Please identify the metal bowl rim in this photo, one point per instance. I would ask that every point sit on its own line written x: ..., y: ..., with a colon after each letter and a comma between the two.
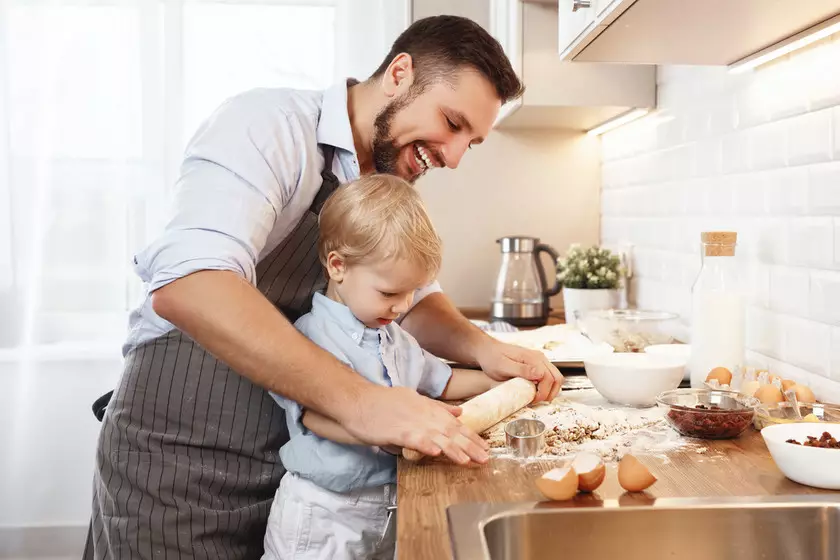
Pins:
x: 749, y: 404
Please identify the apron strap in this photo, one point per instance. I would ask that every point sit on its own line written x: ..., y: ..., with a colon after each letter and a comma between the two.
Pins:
x: 329, y: 182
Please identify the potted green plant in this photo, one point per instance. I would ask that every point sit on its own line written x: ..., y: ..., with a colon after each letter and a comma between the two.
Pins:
x: 590, y: 279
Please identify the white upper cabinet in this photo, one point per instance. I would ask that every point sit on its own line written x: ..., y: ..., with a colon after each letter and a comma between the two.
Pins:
x: 708, y: 32
x: 558, y: 94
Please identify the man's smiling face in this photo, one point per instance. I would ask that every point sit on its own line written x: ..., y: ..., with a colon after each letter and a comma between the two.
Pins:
x: 416, y: 132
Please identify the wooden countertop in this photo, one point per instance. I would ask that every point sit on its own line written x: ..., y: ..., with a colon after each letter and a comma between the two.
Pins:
x: 739, y: 467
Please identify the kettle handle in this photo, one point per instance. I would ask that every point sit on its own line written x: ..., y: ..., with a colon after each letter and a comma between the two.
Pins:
x: 543, y: 248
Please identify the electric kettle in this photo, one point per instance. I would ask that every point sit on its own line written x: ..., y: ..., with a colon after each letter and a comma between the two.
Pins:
x: 522, y: 295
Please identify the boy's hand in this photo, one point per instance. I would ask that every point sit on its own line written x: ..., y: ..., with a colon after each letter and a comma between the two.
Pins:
x: 502, y: 361
x: 401, y: 417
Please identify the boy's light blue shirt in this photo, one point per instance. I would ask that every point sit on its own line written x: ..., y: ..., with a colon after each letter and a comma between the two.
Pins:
x: 386, y: 356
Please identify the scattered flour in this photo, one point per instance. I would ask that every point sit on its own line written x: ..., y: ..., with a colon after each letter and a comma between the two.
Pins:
x: 583, y: 421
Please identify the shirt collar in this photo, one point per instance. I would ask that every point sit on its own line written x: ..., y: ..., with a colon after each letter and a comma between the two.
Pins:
x: 324, y: 307
x: 334, y: 124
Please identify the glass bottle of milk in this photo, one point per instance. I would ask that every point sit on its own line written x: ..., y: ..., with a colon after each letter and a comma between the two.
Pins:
x: 718, y: 313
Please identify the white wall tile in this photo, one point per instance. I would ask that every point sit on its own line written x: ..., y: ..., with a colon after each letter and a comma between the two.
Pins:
x: 611, y: 202
x: 709, y: 157
x: 749, y: 191
x: 807, y: 344
x: 811, y: 242
x: 757, y: 284
x: 768, y: 146
x: 825, y: 296
x: 772, y: 240
x: 721, y: 198
x: 835, y: 354
x: 757, y: 153
x: 789, y: 290
x: 722, y: 117
x: 611, y: 175
x: 824, y: 189
x: 751, y: 106
x: 837, y: 241
x: 671, y: 131
x: 836, y: 128
x: 781, y: 94
x: 735, y: 156
x: 809, y: 138
x: 786, y: 191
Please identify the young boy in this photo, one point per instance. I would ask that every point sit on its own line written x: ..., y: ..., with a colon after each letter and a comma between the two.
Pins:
x: 378, y: 246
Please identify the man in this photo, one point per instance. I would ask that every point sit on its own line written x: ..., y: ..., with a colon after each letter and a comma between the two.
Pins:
x: 187, y: 457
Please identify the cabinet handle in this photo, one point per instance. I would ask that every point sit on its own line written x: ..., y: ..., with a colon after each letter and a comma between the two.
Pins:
x: 578, y: 4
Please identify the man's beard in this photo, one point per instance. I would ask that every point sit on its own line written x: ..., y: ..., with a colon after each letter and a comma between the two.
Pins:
x: 385, y: 151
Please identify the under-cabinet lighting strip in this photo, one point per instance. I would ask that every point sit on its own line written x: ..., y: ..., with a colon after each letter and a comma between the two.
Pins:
x: 787, y: 46
x: 620, y: 120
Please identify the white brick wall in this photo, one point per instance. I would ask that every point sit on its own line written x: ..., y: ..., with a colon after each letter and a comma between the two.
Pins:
x: 758, y: 153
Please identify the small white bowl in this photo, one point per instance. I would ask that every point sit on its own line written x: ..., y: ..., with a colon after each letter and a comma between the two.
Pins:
x: 634, y: 379
x: 676, y: 350
x: 810, y: 466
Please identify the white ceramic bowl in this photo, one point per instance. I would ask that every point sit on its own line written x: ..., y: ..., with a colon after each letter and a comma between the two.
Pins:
x: 682, y: 351
x: 810, y: 466
x: 634, y: 379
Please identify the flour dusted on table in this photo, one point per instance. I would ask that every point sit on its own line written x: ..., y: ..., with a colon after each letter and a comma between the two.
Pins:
x: 584, y: 421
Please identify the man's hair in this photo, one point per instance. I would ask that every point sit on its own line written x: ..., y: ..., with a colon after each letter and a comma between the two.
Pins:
x: 377, y: 218
x: 441, y: 45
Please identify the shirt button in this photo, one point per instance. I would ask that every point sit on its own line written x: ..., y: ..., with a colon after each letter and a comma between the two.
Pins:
x: 355, y: 336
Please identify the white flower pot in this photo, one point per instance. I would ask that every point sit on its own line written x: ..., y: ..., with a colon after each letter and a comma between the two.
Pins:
x: 587, y: 300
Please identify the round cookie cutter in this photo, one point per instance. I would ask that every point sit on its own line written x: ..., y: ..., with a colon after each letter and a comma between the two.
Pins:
x: 525, y: 437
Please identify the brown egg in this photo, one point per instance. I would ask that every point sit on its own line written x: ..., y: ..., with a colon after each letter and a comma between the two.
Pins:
x: 591, y: 471
x: 787, y: 384
x: 721, y: 374
x: 633, y: 476
x: 804, y: 394
x: 769, y: 394
x: 559, y: 484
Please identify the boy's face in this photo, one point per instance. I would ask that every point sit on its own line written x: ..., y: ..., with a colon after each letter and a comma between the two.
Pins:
x: 378, y: 292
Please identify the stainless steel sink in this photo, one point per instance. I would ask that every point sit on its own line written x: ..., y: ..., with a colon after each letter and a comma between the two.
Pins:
x: 777, y: 528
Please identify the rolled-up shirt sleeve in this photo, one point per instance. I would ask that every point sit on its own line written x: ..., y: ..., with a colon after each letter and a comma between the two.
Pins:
x: 294, y: 414
x: 239, y: 172
x: 435, y: 377
x: 419, y: 295
x: 426, y: 291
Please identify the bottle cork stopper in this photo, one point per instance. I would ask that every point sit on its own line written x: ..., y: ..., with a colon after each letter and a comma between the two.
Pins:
x: 719, y: 243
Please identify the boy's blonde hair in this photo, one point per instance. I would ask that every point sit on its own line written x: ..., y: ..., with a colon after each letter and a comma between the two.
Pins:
x: 376, y: 218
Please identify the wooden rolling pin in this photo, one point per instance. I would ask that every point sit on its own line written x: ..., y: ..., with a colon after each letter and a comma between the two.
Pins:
x: 488, y: 409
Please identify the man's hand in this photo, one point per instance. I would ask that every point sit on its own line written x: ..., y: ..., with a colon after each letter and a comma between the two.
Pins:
x: 398, y: 416
x: 502, y: 361
x: 442, y: 330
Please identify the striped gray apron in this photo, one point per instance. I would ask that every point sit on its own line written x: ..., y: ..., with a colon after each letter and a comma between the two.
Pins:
x: 187, y: 459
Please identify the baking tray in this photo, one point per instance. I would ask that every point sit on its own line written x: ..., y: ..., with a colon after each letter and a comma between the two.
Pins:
x: 563, y: 345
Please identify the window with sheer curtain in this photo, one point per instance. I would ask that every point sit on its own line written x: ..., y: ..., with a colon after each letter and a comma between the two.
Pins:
x: 97, y: 101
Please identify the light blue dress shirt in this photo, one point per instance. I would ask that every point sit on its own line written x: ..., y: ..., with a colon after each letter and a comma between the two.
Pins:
x: 386, y: 356
x: 249, y: 175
